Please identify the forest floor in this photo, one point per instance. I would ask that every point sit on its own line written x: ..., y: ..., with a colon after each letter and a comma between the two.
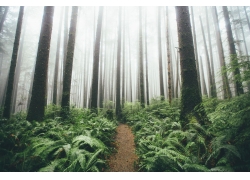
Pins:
x: 124, y: 160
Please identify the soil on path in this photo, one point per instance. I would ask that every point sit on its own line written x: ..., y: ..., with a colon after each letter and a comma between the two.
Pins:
x: 125, y: 158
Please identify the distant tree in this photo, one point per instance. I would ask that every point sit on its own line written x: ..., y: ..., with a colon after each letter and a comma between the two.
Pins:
x: 146, y: 59
x: 69, y: 62
x: 169, y: 59
x: 232, y: 51
x: 11, y: 76
x: 210, y: 82
x: 225, y: 84
x: 118, y: 70
x: 38, y: 99
x: 160, y: 55
x: 190, y: 96
x: 195, y: 48
x: 248, y: 23
x: 94, y: 93
x: 142, y: 99
x: 57, y: 60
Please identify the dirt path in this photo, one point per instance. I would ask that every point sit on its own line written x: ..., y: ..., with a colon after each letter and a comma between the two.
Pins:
x: 124, y: 159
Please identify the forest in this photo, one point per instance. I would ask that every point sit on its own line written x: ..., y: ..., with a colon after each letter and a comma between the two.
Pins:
x: 124, y: 89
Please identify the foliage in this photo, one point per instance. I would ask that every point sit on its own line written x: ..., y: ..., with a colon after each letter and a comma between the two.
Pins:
x: 162, y: 144
x: 79, y: 143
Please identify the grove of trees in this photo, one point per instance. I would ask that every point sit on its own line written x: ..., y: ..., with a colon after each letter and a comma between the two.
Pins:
x: 179, y: 76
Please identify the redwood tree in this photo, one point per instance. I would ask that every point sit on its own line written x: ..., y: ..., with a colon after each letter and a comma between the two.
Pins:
x: 69, y: 62
x: 38, y: 99
x: 7, y: 104
x: 190, y: 96
x: 94, y: 93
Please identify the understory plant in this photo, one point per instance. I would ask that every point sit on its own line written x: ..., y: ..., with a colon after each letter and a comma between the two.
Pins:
x: 162, y: 144
x: 79, y: 143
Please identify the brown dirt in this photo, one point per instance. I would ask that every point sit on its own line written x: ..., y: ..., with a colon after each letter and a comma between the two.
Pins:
x: 125, y: 158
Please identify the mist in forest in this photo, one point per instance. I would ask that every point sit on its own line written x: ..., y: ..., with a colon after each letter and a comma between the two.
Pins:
x: 154, y: 37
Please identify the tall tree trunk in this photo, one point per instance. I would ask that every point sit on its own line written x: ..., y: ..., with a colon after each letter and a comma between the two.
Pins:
x: 38, y: 99
x: 142, y: 99
x: 169, y: 59
x: 233, y: 55
x: 160, y: 55
x: 3, y: 18
x: 146, y: 59
x: 57, y: 60
x: 69, y: 63
x: 94, y: 93
x: 207, y: 61
x: 190, y: 97
x: 123, y: 61
x: 65, y: 43
x: 11, y: 76
x: 213, y: 86
x: 118, y: 70
x: 225, y: 84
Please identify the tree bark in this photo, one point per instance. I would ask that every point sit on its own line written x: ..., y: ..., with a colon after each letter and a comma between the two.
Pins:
x: 38, y: 99
x: 118, y: 71
x: 94, y: 93
x: 160, y: 55
x: 11, y: 76
x: 69, y: 63
x: 190, y: 96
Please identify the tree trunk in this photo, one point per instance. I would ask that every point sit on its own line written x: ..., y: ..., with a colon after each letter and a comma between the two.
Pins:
x: 118, y: 71
x: 57, y: 60
x: 190, y: 96
x: 38, y: 99
x: 160, y: 55
x: 169, y: 59
x: 146, y: 60
x: 225, y: 84
x: 142, y: 99
x: 69, y: 62
x: 213, y: 86
x: 94, y: 93
x: 233, y: 55
x: 11, y: 76
x: 207, y: 61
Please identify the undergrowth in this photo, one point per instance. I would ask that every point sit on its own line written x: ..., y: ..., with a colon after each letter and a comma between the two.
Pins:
x: 163, y: 145
x: 79, y: 143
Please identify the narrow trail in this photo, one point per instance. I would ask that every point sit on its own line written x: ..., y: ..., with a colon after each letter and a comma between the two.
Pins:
x: 124, y: 159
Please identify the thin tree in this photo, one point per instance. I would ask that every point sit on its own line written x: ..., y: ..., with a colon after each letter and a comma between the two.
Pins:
x: 225, y: 84
x: 57, y: 60
x: 190, y: 96
x: 207, y: 61
x: 38, y: 99
x: 233, y: 55
x: 248, y: 23
x: 94, y: 93
x: 69, y: 62
x: 118, y: 70
x: 146, y: 59
x: 213, y: 86
x: 169, y: 59
x: 11, y: 76
x: 160, y: 55
x: 142, y: 99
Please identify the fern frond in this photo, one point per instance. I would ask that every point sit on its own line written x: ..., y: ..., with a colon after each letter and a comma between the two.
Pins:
x: 195, y: 168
